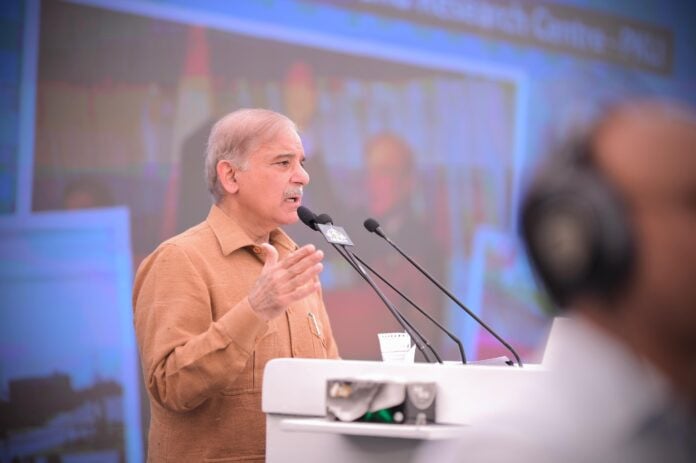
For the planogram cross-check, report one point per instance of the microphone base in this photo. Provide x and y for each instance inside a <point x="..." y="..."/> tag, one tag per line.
<point x="498" y="361"/>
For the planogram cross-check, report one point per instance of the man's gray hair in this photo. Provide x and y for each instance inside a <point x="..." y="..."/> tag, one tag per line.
<point x="235" y="136"/>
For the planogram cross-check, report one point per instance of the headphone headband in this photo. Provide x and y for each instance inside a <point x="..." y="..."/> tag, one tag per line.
<point x="575" y="227"/>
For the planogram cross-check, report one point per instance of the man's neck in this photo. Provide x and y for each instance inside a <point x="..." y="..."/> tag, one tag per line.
<point x="648" y="343"/>
<point x="258" y="233"/>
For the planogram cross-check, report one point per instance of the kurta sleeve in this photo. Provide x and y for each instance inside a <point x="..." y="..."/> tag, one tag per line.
<point x="186" y="355"/>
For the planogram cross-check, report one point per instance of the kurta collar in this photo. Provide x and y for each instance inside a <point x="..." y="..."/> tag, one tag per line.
<point x="232" y="237"/>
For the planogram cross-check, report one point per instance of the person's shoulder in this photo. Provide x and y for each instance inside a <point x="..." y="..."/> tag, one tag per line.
<point x="181" y="256"/>
<point x="192" y="237"/>
<point x="193" y="241"/>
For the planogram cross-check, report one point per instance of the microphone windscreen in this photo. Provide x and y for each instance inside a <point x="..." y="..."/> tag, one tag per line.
<point x="371" y="225"/>
<point x="324" y="219"/>
<point x="307" y="217"/>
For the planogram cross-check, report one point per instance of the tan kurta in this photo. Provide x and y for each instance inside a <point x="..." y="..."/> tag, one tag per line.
<point x="202" y="347"/>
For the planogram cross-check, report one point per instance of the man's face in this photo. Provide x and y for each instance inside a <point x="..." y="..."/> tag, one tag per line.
<point x="653" y="161"/>
<point x="270" y="188"/>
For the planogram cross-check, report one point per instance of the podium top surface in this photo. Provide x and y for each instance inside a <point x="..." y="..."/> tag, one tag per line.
<point x="298" y="386"/>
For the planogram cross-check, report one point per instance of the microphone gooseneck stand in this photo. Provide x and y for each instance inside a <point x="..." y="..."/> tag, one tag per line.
<point x="373" y="227"/>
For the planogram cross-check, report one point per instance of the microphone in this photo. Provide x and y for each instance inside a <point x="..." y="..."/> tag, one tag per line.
<point x="413" y="304"/>
<point x="307" y="217"/>
<point x="325" y="219"/>
<point x="373" y="227"/>
<point x="339" y="243"/>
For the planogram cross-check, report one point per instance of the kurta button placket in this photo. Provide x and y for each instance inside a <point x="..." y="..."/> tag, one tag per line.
<point x="259" y="252"/>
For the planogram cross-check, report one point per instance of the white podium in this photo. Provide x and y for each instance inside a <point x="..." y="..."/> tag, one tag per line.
<point x="294" y="402"/>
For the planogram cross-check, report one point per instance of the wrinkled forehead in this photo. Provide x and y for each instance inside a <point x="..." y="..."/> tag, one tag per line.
<point x="260" y="134"/>
<point x="283" y="139"/>
<point x="649" y="151"/>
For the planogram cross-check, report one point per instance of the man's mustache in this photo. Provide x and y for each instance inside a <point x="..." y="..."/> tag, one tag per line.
<point x="292" y="192"/>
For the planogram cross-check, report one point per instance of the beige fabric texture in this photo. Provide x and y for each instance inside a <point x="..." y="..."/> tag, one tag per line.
<point x="203" y="349"/>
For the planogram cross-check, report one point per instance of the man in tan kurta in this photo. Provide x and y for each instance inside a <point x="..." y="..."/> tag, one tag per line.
<point x="215" y="303"/>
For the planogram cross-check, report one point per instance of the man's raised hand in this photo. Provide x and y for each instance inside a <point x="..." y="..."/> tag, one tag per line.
<point x="286" y="281"/>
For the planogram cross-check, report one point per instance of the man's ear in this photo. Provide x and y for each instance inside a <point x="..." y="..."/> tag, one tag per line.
<point x="227" y="176"/>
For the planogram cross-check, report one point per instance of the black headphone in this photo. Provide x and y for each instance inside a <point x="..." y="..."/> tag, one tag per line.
<point x="575" y="226"/>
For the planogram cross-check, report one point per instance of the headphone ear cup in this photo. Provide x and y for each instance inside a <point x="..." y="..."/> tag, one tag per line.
<point x="574" y="228"/>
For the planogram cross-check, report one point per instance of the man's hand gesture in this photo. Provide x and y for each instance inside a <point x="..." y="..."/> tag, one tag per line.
<point x="283" y="282"/>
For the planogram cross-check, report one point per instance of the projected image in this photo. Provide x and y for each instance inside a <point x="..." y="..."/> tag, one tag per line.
<point x="426" y="151"/>
<point x="54" y="406"/>
<point x="68" y="374"/>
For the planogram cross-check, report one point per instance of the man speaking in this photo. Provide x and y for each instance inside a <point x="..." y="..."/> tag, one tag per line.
<point x="215" y="303"/>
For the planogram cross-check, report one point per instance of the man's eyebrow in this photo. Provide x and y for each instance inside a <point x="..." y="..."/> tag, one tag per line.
<point x="284" y="156"/>
<point x="280" y="156"/>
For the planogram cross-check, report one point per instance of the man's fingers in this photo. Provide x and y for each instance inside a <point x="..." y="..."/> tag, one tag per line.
<point x="296" y="256"/>
<point x="290" y="283"/>
<point x="305" y="263"/>
<point x="279" y="286"/>
<point x="304" y="290"/>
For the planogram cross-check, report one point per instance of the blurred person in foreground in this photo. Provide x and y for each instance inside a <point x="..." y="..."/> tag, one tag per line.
<point x="610" y="227"/>
<point x="214" y="304"/>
